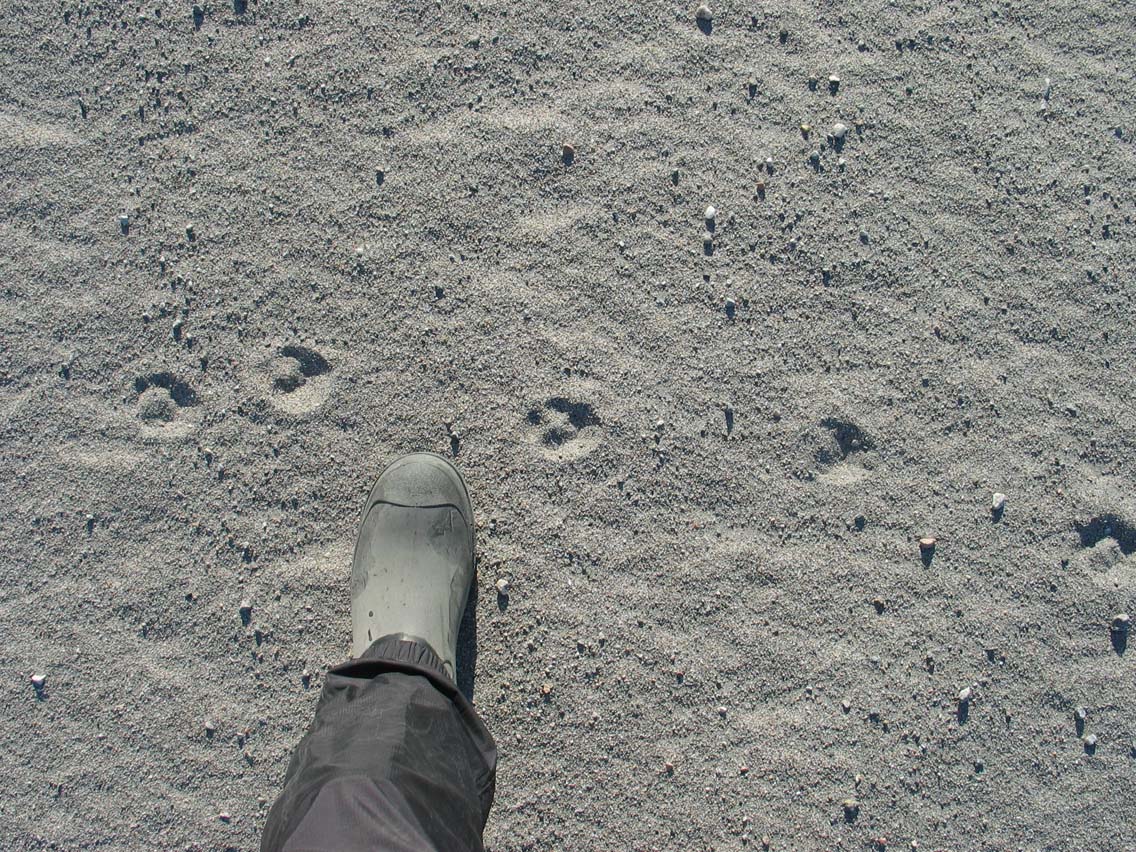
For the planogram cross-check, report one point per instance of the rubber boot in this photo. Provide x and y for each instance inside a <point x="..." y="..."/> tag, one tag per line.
<point x="414" y="557"/>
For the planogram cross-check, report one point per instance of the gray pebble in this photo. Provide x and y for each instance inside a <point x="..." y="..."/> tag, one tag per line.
<point x="998" y="501"/>
<point x="38" y="681"/>
<point x="503" y="587"/>
<point x="124" y="223"/>
<point x="839" y="130"/>
<point x="703" y="13"/>
<point x="964" y="695"/>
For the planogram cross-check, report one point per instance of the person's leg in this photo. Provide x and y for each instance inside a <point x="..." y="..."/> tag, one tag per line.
<point x="397" y="758"/>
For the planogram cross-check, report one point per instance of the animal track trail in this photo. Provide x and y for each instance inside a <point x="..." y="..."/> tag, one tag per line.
<point x="565" y="428"/>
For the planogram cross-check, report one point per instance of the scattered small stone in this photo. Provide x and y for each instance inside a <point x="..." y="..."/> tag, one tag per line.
<point x="927" y="543"/>
<point x="210" y="728"/>
<point x="38" y="681"/>
<point x="806" y="129"/>
<point x="880" y="604"/>
<point x="224" y="816"/>
<point x="710" y="215"/>
<point x="846" y="705"/>
<point x="703" y="13"/>
<point x="998" y="501"/>
<point x="765" y="841"/>
<point x="1080" y="714"/>
<point x="851" y="809"/>
<point x="722" y="712"/>
<point x="669" y="768"/>
<point x="814" y="157"/>
<point x="839" y="130"/>
<point x="124" y="223"/>
<point x="306" y="677"/>
<point x="1120" y="623"/>
<point x="190" y="234"/>
<point x="964" y="695"/>
<point x="833" y="83"/>
<point x="731" y="308"/>
<point x="503" y="587"/>
<point x="1091" y="743"/>
<point x="707" y="240"/>
<point x="568" y="152"/>
<point x="546" y="690"/>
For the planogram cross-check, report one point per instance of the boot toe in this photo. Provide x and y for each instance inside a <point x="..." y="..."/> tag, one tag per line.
<point x="420" y="480"/>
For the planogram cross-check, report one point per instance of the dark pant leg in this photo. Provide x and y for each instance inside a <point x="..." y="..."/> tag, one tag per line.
<point x="396" y="759"/>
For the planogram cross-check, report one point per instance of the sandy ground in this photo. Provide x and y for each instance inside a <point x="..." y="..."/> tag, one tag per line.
<point x="350" y="231"/>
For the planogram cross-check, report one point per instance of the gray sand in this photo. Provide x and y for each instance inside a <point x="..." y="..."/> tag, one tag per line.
<point x="702" y="645"/>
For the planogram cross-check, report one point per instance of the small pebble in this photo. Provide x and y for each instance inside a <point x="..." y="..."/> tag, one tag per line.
<point x="1120" y="623"/>
<point x="224" y="816"/>
<point x="190" y="234"/>
<point x="1080" y="714"/>
<point x="245" y="607"/>
<point x="711" y="214"/>
<point x="851" y="809"/>
<point x="669" y="768"/>
<point x="38" y="680"/>
<point x="927" y="543"/>
<point x="964" y="695"/>
<point x="998" y="501"/>
<point x="124" y="223"/>
<point x="846" y="705"/>
<point x="839" y="130"/>
<point x="722" y="712"/>
<point x="833" y="83"/>
<point x="703" y="13"/>
<point x="210" y="728"/>
<point x="568" y="152"/>
<point x="1090" y="742"/>
<point x="503" y="587"/>
<point x="707" y="239"/>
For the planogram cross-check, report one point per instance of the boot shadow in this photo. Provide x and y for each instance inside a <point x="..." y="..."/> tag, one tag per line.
<point x="467" y="643"/>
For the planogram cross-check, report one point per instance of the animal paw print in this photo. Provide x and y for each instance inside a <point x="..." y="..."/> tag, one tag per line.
<point x="298" y="379"/>
<point x="564" y="428"/>
<point x="161" y="396"/>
